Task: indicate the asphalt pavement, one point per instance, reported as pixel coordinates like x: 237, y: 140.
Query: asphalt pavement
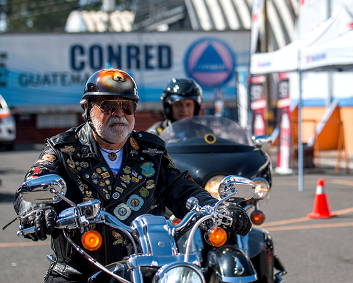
x: 312, y: 250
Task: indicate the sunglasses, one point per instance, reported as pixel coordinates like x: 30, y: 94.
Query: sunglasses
x: 108, y: 107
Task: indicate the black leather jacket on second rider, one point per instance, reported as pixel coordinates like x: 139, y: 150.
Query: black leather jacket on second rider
x: 158, y: 127
x: 147, y: 182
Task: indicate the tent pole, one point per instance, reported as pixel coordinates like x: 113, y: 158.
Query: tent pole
x: 300, y: 71
x: 300, y: 144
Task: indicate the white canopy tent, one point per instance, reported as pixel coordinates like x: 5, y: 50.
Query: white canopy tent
x: 328, y: 47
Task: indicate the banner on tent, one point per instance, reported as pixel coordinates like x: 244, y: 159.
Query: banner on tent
x: 284, y: 145
x: 258, y: 104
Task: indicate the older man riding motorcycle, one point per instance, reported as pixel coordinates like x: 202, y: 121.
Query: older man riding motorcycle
x: 130, y: 172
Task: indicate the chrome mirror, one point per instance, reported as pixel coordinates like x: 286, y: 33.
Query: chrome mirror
x: 236, y: 187
x: 264, y: 142
x: 39, y: 190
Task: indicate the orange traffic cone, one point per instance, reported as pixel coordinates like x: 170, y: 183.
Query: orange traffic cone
x: 321, y: 207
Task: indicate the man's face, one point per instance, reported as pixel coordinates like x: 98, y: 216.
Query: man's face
x: 183, y: 108
x: 115, y: 127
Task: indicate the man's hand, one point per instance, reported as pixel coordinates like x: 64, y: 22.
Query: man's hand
x: 43, y: 218
x: 241, y: 222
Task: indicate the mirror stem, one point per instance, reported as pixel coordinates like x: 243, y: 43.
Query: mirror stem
x: 64, y: 198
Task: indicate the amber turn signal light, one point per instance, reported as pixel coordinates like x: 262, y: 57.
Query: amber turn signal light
x: 176, y: 221
x: 91, y: 240
x: 217, y: 237
x: 257, y: 217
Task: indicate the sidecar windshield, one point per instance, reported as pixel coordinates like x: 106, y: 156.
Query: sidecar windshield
x: 207, y: 128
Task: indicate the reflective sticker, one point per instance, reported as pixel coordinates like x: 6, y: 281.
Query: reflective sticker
x: 134, y: 143
x: 144, y: 192
x: 210, y: 138
x: 127, y: 170
x: 135, y: 202
x: 116, y: 195
x: 126, y: 178
x: 122, y: 211
x: 147, y: 169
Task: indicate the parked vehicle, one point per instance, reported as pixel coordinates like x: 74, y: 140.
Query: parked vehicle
x: 211, y: 148
x: 155, y: 258
x: 7, y: 126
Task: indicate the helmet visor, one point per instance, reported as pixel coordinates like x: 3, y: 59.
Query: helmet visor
x: 174, y: 98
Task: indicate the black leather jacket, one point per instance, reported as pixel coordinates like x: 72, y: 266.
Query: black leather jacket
x: 158, y: 127
x: 147, y: 182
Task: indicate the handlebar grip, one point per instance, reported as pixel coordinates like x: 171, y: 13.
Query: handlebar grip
x: 24, y: 232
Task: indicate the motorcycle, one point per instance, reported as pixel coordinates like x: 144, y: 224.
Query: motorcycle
x: 156, y: 257
x: 210, y: 148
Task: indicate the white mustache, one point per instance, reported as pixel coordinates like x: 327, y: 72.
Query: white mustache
x: 115, y: 119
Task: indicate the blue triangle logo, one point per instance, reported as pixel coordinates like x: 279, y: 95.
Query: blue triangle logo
x: 210, y: 62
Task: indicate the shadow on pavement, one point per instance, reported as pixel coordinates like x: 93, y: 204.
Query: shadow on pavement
x: 6, y: 197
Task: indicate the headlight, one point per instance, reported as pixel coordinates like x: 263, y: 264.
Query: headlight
x: 262, y: 188
x: 213, y: 184
x: 178, y: 272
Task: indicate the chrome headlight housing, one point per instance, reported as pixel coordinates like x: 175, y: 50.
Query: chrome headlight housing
x: 212, y: 185
x: 262, y: 188
x: 179, y: 272
x: 262, y: 191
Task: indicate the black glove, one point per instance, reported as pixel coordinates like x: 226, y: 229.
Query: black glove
x: 43, y: 218
x: 241, y: 222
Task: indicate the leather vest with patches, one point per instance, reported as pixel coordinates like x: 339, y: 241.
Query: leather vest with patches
x: 147, y: 181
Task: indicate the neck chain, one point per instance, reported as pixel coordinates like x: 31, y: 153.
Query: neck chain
x: 112, y: 154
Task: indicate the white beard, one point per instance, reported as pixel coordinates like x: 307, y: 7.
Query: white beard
x: 113, y: 133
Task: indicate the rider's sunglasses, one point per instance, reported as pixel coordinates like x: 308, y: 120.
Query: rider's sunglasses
x: 108, y: 107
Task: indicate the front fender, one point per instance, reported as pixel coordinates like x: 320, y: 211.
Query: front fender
x: 230, y: 264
